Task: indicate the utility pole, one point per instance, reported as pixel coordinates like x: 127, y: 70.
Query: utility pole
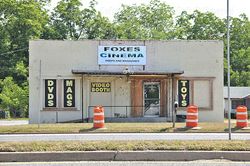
x: 228, y: 72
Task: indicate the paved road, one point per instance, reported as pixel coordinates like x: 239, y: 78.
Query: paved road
x: 130, y: 163
x: 123, y: 136
x: 13, y: 122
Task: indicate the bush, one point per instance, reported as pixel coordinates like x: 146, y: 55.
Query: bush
x: 4, y: 114
x: 14, y: 98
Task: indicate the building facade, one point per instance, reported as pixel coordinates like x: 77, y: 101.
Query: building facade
x: 239, y: 96
x: 131, y: 79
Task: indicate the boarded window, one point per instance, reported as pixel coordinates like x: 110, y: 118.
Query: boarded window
x: 202, y: 93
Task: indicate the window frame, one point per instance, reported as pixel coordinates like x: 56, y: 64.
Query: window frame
x: 191, y: 88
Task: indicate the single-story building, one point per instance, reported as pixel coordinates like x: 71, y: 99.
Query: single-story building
x: 239, y: 96
x: 131, y: 79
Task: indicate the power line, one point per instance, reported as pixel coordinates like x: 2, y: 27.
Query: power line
x: 10, y: 52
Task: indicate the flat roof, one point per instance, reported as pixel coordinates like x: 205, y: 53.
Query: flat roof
x: 237, y: 92
x: 125, y: 72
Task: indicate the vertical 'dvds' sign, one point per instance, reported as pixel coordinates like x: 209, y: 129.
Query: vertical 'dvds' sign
x: 183, y: 93
x: 69, y: 93
x: 50, y: 93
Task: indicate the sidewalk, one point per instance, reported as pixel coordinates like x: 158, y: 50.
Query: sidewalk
x: 123, y: 156
x: 13, y: 122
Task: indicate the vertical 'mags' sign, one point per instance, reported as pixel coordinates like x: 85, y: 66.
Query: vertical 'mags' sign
x: 183, y: 93
x: 69, y: 93
x: 50, y: 93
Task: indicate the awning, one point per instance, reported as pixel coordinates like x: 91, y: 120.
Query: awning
x: 126, y: 72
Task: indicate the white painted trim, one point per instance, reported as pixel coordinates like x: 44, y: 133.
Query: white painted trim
x: 98, y: 121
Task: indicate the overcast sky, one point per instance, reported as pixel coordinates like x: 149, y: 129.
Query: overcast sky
x: 109, y: 7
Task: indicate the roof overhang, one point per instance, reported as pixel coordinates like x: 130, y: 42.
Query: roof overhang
x: 126, y: 73
x: 246, y: 97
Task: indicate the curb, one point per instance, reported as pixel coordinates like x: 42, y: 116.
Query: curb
x: 124, y: 156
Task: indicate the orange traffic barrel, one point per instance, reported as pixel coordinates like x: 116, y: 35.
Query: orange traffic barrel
x: 192, y: 116
x: 241, y: 116
x: 98, y: 117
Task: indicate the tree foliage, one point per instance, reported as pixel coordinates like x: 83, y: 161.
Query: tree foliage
x: 240, y: 50
x: 69, y: 21
x: 19, y: 21
x: 14, y: 98
x: 147, y: 21
x: 200, y: 26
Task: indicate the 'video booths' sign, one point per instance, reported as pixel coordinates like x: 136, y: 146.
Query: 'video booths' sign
x: 69, y: 93
x: 50, y: 93
x: 100, y: 87
x: 122, y: 55
x: 183, y: 93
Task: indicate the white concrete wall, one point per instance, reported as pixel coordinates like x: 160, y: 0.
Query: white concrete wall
x: 58, y: 58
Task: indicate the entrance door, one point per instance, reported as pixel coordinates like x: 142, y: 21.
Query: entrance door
x: 151, y: 99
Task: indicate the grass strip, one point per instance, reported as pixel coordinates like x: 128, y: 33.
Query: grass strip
x: 124, y: 146
x: 115, y: 127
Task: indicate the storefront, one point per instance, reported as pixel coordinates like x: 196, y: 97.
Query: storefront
x: 133, y: 80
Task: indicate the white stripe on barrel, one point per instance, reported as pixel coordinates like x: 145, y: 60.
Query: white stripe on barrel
x: 98, y: 113
x: 191, y: 120
x: 241, y: 120
x: 241, y: 113
x: 190, y: 113
x: 98, y: 121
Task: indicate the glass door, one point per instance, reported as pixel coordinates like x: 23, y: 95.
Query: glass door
x: 151, y: 99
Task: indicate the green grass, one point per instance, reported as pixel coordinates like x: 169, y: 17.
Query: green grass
x: 124, y: 146
x: 116, y: 127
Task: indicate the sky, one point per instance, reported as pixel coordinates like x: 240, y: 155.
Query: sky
x: 109, y: 7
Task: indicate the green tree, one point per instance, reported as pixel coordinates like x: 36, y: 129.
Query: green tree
x: 240, y: 50
x: 240, y: 32
x: 69, y: 21
x: 14, y: 98
x: 19, y: 22
x: 240, y: 65
x: 199, y: 26
x: 146, y: 21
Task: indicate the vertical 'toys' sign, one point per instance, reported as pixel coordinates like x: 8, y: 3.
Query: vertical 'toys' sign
x: 50, y: 93
x: 183, y: 93
x: 69, y: 93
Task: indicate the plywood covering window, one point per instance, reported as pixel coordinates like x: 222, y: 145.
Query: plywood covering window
x: 202, y: 94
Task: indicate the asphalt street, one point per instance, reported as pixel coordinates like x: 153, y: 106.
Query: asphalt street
x: 129, y: 163
x: 122, y: 136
